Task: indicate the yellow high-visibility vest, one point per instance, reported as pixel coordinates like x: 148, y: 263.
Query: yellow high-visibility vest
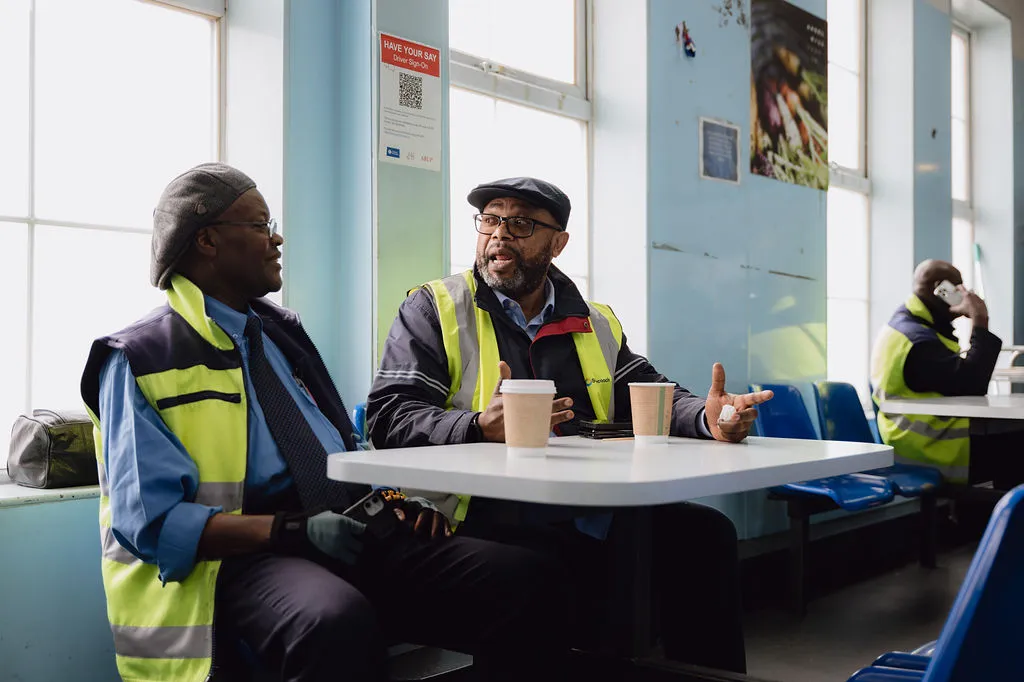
x: 940, y: 442
x: 165, y: 631
x: 472, y: 350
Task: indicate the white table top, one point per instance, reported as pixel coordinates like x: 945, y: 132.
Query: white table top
x: 987, y: 406
x: 583, y: 472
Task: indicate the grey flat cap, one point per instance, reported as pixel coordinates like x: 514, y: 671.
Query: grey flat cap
x: 193, y: 200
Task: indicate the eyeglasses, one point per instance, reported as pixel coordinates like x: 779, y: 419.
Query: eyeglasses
x: 269, y: 228
x: 518, y: 226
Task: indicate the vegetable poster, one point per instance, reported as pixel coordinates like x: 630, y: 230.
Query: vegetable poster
x: 788, y: 94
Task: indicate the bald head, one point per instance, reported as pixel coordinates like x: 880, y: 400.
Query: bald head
x: 930, y: 273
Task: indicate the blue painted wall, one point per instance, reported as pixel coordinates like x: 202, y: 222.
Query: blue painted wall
x: 751, y: 259
x: 328, y: 182
x: 53, y: 617
x: 412, y: 203
x: 746, y: 285
x: 933, y: 210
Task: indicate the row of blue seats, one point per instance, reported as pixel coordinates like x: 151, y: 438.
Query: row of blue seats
x: 841, y: 417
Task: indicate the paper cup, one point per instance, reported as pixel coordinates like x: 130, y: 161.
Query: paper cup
x: 652, y: 411
x: 527, y: 404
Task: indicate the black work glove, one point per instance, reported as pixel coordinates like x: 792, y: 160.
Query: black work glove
x: 425, y: 518
x: 336, y: 535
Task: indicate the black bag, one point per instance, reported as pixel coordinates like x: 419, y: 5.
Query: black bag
x: 52, y: 449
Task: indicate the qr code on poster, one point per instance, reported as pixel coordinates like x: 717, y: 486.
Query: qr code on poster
x: 410, y: 91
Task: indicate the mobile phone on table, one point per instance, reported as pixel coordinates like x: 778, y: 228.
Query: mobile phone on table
x: 948, y: 293
x: 599, y: 430
x: 377, y: 513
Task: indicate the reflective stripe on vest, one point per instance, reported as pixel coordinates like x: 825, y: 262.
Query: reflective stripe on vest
x: 940, y: 442
x: 472, y: 350
x: 164, y: 632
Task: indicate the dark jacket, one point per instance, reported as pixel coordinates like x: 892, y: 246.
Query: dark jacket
x: 164, y: 340
x: 406, y: 402
x: 932, y: 367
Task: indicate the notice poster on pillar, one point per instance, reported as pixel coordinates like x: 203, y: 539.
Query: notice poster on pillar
x: 788, y: 94
x: 410, y: 103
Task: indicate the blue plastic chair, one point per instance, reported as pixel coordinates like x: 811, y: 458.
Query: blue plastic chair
x: 877, y: 674
x: 359, y: 420
x: 982, y: 635
x: 841, y: 417
x: 904, y: 661
x: 785, y: 416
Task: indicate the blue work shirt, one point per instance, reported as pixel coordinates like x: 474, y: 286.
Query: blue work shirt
x: 151, y: 475
x: 514, y: 311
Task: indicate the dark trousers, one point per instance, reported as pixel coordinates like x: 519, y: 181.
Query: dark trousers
x: 997, y: 452
x: 695, y: 580
x: 311, y: 620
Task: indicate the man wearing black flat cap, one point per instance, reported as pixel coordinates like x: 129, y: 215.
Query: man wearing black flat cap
x: 515, y: 315
x: 214, y: 416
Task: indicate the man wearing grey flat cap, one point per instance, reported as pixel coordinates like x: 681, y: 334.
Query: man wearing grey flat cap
x: 516, y: 315
x: 214, y: 416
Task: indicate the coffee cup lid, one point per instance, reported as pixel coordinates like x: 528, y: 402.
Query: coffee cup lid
x: 528, y: 386
x: 659, y: 384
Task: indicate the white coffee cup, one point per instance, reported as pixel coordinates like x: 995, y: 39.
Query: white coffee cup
x: 527, y: 406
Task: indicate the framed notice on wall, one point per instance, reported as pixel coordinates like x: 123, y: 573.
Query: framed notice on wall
x: 410, y: 103
x: 719, y: 150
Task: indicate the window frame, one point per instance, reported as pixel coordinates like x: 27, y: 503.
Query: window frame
x: 494, y: 79
x: 572, y: 100
x: 856, y: 180
x: 964, y: 208
x: 213, y: 10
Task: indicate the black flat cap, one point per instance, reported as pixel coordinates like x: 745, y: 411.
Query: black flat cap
x: 531, y: 190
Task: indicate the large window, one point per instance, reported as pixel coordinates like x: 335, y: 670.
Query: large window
x: 519, y: 107
x: 103, y: 103
x: 848, y: 262
x: 960, y: 169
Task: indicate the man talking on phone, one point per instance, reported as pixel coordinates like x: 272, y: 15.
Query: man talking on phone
x: 917, y: 355
x: 516, y: 315
x: 220, y: 530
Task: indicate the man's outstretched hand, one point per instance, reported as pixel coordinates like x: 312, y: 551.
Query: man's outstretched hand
x: 736, y: 428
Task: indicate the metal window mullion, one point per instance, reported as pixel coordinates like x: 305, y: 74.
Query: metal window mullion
x: 969, y: 135
x: 214, y: 9
x: 220, y: 88
x: 964, y: 32
x: 30, y: 223
x: 849, y: 179
x: 862, y: 113
x: 962, y: 210
x: 581, y: 42
x: 519, y: 92
x: 490, y: 67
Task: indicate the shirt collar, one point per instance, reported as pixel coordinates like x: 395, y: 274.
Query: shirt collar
x: 545, y: 311
x: 229, y: 319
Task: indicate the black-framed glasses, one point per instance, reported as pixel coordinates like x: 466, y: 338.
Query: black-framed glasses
x: 269, y: 227
x: 518, y: 226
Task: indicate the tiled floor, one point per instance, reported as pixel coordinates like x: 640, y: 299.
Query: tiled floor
x: 846, y: 630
